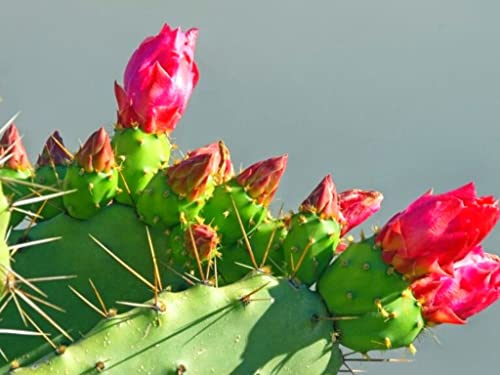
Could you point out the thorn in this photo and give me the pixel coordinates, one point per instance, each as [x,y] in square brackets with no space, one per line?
[87,302]
[122,263]
[302,257]
[99,298]
[156,270]
[35,307]
[159,307]
[268,247]
[243,231]
[246,298]
[196,253]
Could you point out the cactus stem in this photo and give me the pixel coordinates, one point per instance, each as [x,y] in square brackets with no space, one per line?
[158,306]
[87,302]
[122,263]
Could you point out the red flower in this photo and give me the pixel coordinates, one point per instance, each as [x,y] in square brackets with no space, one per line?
[158,81]
[474,285]
[437,230]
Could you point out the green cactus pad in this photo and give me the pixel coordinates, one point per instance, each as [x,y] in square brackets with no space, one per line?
[95,190]
[343,285]
[219,212]
[158,205]
[14,191]
[268,235]
[140,155]
[245,328]
[77,254]
[51,176]
[396,325]
[309,245]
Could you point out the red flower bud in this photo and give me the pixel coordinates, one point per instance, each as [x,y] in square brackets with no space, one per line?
[12,145]
[358,205]
[53,152]
[323,200]
[158,81]
[223,166]
[190,177]
[205,239]
[261,179]
[96,155]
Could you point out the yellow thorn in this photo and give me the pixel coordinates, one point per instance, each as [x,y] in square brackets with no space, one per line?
[388,343]
[412,349]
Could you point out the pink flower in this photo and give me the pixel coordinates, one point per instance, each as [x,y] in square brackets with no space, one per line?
[437,230]
[158,81]
[474,285]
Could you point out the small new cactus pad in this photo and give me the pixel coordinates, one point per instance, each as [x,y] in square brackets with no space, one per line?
[139,156]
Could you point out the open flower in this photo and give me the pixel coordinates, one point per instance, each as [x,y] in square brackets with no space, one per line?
[474,285]
[437,230]
[158,81]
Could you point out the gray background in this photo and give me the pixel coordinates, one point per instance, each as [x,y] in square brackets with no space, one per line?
[396,95]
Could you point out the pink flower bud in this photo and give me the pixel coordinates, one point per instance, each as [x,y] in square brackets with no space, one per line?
[190,177]
[323,200]
[261,179]
[222,160]
[158,81]
[473,285]
[358,205]
[12,145]
[437,230]
[53,152]
[205,239]
[96,155]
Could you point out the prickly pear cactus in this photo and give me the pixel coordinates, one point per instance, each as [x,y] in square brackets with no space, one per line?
[128,261]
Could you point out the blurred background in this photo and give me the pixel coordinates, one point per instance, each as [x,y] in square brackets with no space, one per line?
[398,96]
